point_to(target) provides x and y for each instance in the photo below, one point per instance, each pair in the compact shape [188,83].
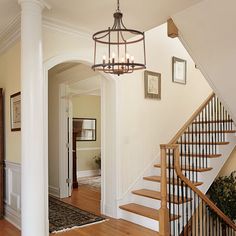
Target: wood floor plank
[89,199]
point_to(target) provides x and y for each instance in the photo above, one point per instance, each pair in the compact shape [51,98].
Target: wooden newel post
[164,229]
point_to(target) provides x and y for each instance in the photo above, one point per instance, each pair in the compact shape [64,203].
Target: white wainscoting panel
[12,196]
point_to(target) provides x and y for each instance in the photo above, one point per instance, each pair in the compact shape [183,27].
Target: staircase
[189,164]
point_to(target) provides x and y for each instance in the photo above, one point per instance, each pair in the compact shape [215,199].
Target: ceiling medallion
[113,47]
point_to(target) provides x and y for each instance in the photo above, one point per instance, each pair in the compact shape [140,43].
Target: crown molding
[64,27]
[42,3]
[10,34]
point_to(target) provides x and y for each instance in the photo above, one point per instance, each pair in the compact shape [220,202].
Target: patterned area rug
[63,216]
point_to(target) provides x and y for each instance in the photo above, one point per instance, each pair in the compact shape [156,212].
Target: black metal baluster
[182,203]
[173,185]
[202,144]
[214,124]
[178,184]
[169,187]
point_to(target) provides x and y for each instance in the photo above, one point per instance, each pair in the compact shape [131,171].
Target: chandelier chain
[118,5]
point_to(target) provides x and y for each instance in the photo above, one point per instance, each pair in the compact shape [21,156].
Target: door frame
[110,193]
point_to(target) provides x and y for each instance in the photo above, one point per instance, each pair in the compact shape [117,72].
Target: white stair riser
[140,220]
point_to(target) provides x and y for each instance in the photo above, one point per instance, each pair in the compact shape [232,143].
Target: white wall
[230,165]
[144,124]
[207,31]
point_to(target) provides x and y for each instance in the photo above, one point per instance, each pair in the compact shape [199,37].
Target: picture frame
[179,70]
[152,84]
[85,129]
[15,110]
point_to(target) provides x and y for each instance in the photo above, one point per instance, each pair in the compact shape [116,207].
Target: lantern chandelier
[112,47]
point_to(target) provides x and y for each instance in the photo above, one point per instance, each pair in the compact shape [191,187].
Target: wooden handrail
[191,119]
[164,229]
[198,192]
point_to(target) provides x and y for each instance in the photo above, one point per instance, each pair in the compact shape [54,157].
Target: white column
[32,189]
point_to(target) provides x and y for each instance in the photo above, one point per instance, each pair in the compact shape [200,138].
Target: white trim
[88,173]
[81,57]
[12,193]
[10,34]
[13,216]
[61,26]
[88,149]
[54,191]
[63,140]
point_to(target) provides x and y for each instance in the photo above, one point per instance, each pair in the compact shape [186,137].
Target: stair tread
[198,169]
[205,143]
[210,131]
[212,121]
[201,155]
[156,178]
[157,195]
[144,211]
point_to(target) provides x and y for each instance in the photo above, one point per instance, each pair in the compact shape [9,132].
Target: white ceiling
[93,15]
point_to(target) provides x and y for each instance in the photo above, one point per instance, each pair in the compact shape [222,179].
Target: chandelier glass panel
[119,50]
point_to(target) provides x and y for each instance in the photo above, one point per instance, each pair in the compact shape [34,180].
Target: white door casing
[109,139]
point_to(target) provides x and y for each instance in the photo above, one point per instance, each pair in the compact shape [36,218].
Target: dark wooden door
[1,153]
[75,182]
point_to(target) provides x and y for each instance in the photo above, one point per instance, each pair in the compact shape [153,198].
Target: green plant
[223,193]
[97,160]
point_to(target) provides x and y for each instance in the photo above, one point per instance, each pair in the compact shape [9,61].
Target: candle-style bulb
[113,55]
[132,59]
[104,59]
[122,60]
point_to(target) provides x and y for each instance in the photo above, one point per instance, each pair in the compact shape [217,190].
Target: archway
[108,133]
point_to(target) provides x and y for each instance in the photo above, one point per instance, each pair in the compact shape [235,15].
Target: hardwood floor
[88,198]
[6,229]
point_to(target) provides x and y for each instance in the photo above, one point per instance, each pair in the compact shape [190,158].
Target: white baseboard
[88,173]
[12,216]
[54,191]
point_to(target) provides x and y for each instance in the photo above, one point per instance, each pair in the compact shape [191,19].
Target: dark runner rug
[63,216]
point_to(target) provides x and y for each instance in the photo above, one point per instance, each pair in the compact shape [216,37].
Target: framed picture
[179,70]
[152,84]
[15,109]
[85,129]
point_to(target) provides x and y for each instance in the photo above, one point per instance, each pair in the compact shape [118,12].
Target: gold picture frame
[15,109]
[152,84]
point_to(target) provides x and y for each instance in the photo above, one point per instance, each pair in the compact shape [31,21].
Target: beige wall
[10,81]
[53,132]
[88,107]
[230,165]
